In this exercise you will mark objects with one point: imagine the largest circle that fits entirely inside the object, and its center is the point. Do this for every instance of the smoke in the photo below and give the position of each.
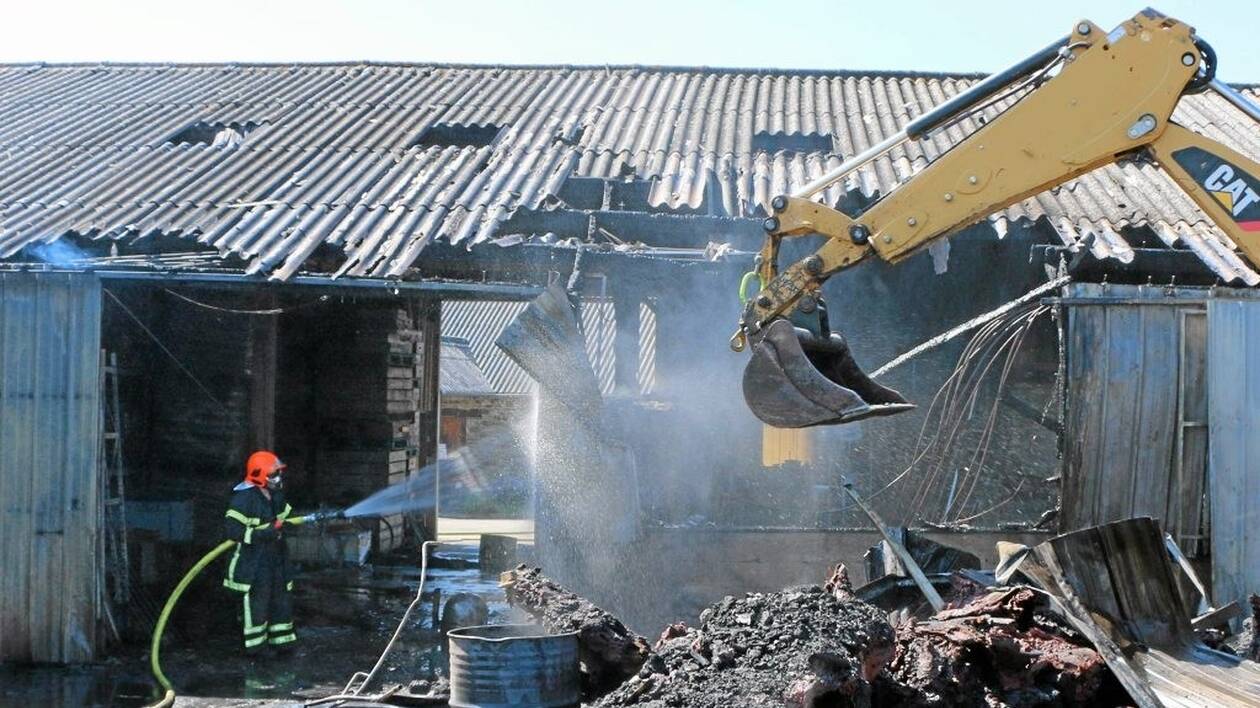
(697, 450)
(701, 456)
(59, 253)
(703, 460)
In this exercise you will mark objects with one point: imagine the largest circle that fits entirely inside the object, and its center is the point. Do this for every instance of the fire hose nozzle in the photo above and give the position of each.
(320, 517)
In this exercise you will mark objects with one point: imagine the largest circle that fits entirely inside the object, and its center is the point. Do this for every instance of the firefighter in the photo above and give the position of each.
(259, 569)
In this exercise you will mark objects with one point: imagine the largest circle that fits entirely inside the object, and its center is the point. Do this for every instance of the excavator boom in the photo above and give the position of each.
(1087, 100)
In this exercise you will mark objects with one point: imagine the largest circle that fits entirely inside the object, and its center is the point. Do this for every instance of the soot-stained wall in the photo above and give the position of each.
(342, 388)
(700, 460)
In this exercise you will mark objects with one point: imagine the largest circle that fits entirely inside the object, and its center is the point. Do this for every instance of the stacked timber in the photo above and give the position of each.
(370, 393)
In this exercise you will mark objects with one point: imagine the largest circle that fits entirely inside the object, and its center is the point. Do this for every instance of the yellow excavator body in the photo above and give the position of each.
(1090, 99)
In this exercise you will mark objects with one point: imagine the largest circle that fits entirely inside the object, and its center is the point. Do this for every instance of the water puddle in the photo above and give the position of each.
(344, 619)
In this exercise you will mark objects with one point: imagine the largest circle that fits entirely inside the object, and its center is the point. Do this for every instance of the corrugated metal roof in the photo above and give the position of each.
(459, 373)
(1115, 584)
(332, 161)
(479, 323)
(647, 349)
(599, 326)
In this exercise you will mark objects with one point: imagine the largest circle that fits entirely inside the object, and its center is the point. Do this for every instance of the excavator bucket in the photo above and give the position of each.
(797, 379)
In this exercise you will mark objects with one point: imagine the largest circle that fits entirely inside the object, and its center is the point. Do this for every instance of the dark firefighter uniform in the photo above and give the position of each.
(260, 568)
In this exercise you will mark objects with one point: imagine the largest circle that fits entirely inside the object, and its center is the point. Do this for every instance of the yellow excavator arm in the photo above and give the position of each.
(1087, 100)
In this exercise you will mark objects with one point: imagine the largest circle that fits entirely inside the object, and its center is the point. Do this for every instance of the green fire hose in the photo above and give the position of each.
(168, 696)
(154, 663)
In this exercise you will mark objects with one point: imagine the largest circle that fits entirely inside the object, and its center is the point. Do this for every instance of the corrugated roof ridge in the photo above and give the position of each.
(659, 68)
(663, 68)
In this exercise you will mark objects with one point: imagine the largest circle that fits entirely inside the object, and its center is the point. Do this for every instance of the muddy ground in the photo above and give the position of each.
(344, 618)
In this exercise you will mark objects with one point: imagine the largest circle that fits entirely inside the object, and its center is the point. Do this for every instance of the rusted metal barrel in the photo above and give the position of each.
(497, 666)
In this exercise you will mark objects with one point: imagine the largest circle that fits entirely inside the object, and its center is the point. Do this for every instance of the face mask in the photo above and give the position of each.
(275, 481)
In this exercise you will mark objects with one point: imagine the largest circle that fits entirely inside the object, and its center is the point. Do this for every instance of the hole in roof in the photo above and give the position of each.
(451, 135)
(791, 142)
(583, 192)
(214, 134)
(574, 136)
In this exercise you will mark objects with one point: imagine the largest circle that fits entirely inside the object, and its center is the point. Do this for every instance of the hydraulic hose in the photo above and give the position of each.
(155, 664)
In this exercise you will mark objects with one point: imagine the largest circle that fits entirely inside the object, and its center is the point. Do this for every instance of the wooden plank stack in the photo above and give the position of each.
(370, 400)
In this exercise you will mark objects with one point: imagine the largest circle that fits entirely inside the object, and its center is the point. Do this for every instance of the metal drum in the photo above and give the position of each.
(497, 666)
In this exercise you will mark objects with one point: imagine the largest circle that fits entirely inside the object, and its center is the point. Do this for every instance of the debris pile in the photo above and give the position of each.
(609, 653)
(1015, 646)
(1247, 642)
(1002, 647)
(797, 646)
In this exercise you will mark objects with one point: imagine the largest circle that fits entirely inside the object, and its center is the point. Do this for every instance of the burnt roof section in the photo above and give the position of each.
(335, 157)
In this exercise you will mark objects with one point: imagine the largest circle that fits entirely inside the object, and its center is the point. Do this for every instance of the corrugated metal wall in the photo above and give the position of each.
(1234, 392)
(49, 417)
(1164, 420)
(1136, 403)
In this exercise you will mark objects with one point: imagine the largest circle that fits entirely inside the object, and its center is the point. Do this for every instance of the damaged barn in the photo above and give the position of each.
(508, 295)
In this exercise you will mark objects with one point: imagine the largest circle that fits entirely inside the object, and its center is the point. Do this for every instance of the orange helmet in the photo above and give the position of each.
(260, 466)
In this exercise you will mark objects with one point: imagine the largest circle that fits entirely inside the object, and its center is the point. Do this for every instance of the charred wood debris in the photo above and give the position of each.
(824, 645)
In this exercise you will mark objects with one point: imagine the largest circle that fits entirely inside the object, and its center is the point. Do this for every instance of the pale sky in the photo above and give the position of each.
(870, 34)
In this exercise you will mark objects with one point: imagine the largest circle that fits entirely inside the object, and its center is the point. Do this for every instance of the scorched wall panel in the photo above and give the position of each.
(1234, 447)
(49, 427)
